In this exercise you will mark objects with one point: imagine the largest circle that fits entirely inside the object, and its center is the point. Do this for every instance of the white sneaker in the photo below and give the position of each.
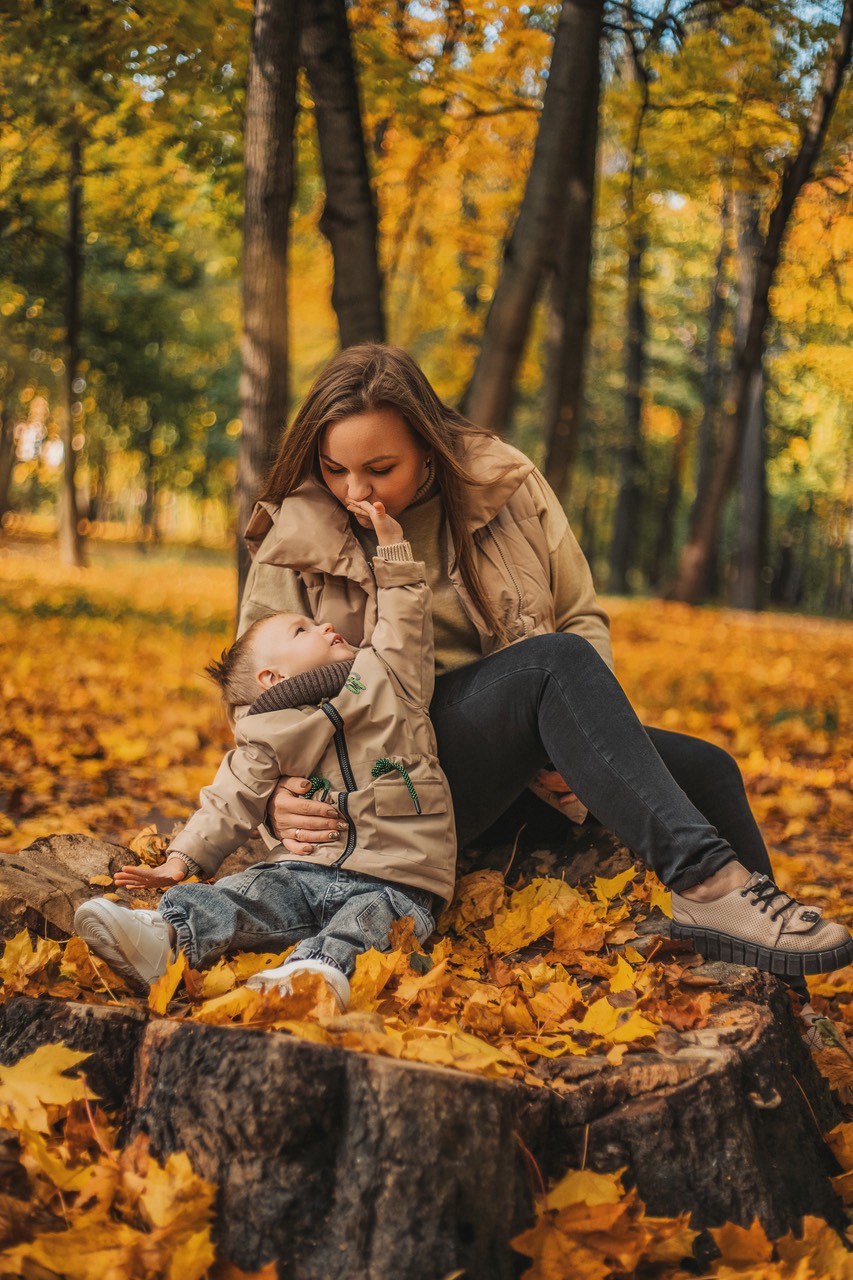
(282, 978)
(133, 941)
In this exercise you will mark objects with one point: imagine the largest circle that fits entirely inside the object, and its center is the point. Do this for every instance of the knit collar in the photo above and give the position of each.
(303, 690)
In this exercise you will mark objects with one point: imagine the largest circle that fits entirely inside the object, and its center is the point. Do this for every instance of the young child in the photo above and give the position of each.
(359, 719)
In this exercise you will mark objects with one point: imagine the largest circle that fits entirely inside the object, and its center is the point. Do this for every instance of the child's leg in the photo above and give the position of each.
(364, 920)
(267, 907)
(357, 917)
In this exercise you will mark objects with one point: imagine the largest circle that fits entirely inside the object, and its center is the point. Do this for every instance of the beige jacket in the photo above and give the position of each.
(405, 834)
(307, 559)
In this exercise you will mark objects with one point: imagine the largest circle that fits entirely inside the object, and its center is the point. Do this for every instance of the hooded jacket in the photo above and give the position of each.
(372, 746)
(306, 557)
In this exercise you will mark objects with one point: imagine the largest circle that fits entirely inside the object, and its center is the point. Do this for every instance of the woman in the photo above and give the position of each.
(523, 659)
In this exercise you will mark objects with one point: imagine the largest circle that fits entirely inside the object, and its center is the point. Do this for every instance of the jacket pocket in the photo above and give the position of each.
(393, 799)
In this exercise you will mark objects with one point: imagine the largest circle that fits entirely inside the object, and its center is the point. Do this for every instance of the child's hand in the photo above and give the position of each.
(172, 871)
(386, 527)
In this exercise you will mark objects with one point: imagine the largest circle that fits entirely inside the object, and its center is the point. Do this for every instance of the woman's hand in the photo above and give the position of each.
(298, 823)
(386, 528)
(172, 871)
(552, 781)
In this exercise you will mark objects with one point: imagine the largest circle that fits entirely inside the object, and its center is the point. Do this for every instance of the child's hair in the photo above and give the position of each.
(234, 671)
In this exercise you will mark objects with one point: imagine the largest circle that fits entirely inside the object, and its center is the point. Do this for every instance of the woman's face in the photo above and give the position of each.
(374, 457)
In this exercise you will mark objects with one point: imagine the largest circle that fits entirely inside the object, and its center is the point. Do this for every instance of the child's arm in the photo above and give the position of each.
(403, 635)
(170, 872)
(231, 807)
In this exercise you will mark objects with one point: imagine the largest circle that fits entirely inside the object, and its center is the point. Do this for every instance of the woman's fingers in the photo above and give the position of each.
(302, 824)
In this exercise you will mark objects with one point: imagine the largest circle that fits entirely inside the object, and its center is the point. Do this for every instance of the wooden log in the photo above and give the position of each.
(340, 1164)
(42, 886)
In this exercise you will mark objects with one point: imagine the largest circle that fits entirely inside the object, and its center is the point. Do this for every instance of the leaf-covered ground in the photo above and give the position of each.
(108, 722)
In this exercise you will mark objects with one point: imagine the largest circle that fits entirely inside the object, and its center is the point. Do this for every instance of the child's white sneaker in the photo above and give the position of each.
(282, 978)
(133, 941)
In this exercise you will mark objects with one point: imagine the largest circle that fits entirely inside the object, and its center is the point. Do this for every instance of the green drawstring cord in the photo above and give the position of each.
(316, 785)
(387, 766)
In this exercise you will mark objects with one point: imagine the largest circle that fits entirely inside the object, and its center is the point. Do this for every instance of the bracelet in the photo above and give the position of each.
(191, 865)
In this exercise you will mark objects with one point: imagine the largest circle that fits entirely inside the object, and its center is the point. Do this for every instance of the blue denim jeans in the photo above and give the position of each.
(677, 802)
(331, 913)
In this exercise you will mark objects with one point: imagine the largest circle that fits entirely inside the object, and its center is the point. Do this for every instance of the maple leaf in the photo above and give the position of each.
(23, 964)
(477, 896)
(742, 1246)
(37, 1083)
(576, 932)
(606, 890)
(164, 988)
(529, 915)
(820, 1249)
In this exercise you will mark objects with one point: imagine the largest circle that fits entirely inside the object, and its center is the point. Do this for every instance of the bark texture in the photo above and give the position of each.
(557, 160)
(568, 305)
(269, 184)
(349, 220)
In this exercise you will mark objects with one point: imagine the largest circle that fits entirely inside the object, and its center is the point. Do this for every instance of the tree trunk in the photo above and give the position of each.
(628, 504)
(269, 184)
(349, 220)
(337, 1164)
(568, 308)
(70, 539)
(748, 588)
(709, 509)
(149, 506)
(752, 506)
(558, 159)
(7, 451)
(659, 568)
(706, 440)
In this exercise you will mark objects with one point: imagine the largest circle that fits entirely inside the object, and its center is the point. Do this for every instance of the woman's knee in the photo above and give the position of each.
(711, 765)
(557, 648)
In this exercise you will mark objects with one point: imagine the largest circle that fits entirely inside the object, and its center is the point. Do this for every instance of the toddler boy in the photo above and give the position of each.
(359, 719)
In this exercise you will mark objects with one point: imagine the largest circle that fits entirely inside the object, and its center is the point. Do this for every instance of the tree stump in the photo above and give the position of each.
(339, 1164)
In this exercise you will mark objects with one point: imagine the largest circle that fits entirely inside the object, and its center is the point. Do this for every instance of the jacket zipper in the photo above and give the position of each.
(512, 579)
(346, 773)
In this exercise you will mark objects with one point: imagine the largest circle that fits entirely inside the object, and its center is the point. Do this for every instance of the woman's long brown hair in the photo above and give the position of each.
(372, 376)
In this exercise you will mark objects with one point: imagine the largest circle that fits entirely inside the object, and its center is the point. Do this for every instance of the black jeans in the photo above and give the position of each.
(677, 802)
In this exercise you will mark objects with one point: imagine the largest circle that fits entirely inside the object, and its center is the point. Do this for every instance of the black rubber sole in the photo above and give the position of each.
(787, 964)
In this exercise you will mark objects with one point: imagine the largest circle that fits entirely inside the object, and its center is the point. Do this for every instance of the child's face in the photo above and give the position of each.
(288, 645)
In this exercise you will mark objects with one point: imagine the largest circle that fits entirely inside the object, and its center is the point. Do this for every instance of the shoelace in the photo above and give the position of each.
(318, 784)
(384, 765)
(765, 891)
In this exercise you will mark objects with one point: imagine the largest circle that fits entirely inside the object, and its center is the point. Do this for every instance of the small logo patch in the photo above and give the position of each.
(355, 684)
(810, 916)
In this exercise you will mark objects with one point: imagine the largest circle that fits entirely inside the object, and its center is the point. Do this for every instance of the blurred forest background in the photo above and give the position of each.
(618, 231)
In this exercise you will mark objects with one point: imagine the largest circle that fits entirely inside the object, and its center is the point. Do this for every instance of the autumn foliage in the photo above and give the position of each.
(110, 729)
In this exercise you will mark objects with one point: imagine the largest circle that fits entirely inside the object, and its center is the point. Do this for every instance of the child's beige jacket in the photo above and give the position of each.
(374, 747)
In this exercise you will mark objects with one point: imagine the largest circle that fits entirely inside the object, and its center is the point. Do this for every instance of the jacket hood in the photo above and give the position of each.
(315, 528)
